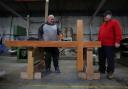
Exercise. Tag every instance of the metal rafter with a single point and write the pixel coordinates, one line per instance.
(11, 10)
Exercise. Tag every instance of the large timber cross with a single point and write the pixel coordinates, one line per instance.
(84, 49)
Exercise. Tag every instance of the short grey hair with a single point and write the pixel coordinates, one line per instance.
(51, 15)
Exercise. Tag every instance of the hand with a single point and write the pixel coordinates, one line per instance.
(61, 37)
(117, 45)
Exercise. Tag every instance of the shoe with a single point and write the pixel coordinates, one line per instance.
(57, 70)
(110, 76)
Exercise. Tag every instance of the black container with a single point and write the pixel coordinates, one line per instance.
(22, 54)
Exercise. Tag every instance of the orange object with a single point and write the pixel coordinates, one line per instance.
(61, 37)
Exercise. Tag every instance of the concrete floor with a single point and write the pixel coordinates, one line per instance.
(67, 79)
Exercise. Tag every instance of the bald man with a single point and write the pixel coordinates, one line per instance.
(50, 32)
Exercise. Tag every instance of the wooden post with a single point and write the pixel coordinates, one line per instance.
(89, 68)
(79, 62)
(30, 66)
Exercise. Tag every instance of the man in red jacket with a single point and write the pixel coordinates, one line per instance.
(110, 36)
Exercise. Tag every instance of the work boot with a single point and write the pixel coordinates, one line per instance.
(110, 76)
(57, 70)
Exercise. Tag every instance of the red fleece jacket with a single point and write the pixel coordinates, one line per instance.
(110, 33)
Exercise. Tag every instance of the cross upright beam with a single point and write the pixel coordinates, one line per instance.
(80, 63)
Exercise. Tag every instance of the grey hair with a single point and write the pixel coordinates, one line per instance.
(51, 15)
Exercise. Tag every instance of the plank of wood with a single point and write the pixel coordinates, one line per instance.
(30, 66)
(91, 44)
(69, 44)
(80, 28)
(24, 75)
(96, 76)
(80, 62)
(40, 44)
(83, 75)
(89, 68)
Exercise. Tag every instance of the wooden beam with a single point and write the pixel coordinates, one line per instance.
(65, 44)
(31, 72)
(89, 68)
(30, 66)
(88, 73)
(80, 62)
(80, 28)
(90, 44)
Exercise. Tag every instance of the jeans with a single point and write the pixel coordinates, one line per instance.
(106, 59)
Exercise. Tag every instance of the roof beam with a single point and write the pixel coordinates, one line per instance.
(97, 10)
(11, 10)
(95, 13)
(27, 0)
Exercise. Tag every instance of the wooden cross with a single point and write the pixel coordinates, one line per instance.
(84, 62)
